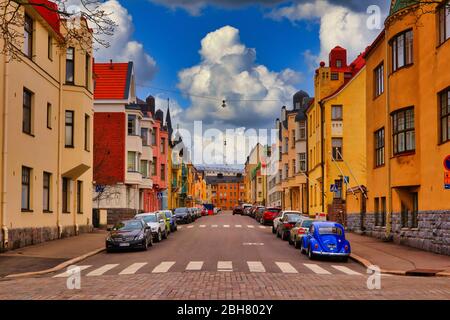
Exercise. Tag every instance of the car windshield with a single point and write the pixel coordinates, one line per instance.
(128, 225)
(306, 223)
(148, 218)
(293, 217)
(180, 210)
(261, 210)
(330, 230)
(168, 214)
(273, 210)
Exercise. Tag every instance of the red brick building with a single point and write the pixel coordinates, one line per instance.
(226, 191)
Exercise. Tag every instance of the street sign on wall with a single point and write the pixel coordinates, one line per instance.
(447, 180)
(447, 163)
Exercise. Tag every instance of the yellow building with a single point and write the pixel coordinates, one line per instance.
(46, 108)
(337, 135)
(293, 164)
(174, 166)
(408, 125)
(255, 180)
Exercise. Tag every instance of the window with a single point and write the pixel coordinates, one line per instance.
(403, 131)
(132, 163)
(379, 80)
(302, 130)
(445, 115)
(163, 172)
(163, 146)
(286, 145)
(28, 36)
(70, 65)
(26, 189)
(49, 115)
(69, 129)
(154, 167)
(87, 71)
(153, 137)
(444, 22)
(144, 168)
(302, 161)
(402, 50)
(286, 171)
(66, 195)
(132, 125)
(338, 63)
(87, 132)
(336, 145)
(50, 47)
(293, 138)
(379, 147)
(334, 76)
(336, 113)
(294, 169)
(144, 136)
(46, 191)
(27, 111)
(79, 196)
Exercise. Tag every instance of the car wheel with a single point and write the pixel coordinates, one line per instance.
(145, 248)
(158, 237)
(283, 236)
(273, 230)
(278, 233)
(165, 235)
(310, 253)
(290, 241)
(296, 244)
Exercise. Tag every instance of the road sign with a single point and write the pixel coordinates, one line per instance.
(346, 180)
(99, 188)
(334, 188)
(159, 195)
(447, 163)
(447, 180)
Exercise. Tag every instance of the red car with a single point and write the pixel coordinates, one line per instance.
(269, 214)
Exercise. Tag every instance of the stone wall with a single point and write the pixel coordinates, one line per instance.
(432, 233)
(117, 215)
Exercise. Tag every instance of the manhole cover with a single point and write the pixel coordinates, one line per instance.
(422, 272)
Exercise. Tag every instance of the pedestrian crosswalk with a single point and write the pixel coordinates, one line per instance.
(220, 266)
(223, 226)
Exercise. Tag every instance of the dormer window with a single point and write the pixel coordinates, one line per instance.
(28, 36)
(338, 63)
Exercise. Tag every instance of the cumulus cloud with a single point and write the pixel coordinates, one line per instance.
(341, 25)
(228, 70)
(122, 46)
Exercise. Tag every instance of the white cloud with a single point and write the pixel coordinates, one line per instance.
(122, 46)
(339, 25)
(228, 70)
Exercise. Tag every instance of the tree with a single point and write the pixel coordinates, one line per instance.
(70, 15)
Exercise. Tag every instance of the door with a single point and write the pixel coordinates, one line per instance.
(96, 218)
(363, 212)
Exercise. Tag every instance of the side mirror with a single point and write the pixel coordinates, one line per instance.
(108, 229)
(161, 221)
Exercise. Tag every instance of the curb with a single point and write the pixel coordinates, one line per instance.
(57, 268)
(366, 263)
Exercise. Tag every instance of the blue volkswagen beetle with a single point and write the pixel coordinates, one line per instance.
(326, 239)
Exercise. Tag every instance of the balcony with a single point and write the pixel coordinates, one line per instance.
(133, 177)
(134, 143)
(147, 183)
(147, 153)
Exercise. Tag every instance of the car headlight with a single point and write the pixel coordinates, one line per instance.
(140, 237)
(154, 229)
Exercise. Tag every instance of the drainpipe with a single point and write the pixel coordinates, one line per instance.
(388, 153)
(322, 153)
(58, 170)
(4, 171)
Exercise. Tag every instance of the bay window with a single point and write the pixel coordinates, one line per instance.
(402, 50)
(403, 132)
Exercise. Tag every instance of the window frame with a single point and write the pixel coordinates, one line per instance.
(396, 133)
(72, 130)
(46, 187)
(79, 196)
(333, 116)
(49, 115)
(27, 184)
(335, 156)
(50, 47)
(87, 133)
(443, 18)
(70, 82)
(395, 50)
(443, 116)
(162, 169)
(87, 71)
(379, 147)
(65, 195)
(29, 129)
(135, 167)
(28, 22)
(378, 80)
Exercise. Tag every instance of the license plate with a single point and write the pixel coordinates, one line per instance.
(124, 244)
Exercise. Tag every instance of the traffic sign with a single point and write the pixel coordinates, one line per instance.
(447, 163)
(447, 180)
(159, 195)
(334, 188)
(99, 188)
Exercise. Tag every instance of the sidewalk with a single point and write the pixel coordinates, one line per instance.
(397, 259)
(50, 254)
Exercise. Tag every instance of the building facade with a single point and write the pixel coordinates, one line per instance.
(227, 192)
(408, 125)
(255, 175)
(46, 110)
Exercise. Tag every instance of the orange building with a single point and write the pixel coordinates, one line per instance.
(226, 191)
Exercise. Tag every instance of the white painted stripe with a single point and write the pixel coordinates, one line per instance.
(256, 266)
(262, 227)
(132, 269)
(214, 226)
(202, 226)
(225, 266)
(179, 227)
(194, 265)
(190, 227)
(316, 269)
(226, 225)
(163, 267)
(68, 273)
(286, 267)
(102, 270)
(238, 226)
(250, 226)
(347, 270)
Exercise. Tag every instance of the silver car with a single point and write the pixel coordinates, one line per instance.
(158, 226)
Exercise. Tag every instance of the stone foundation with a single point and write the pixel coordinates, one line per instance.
(117, 215)
(22, 237)
(432, 233)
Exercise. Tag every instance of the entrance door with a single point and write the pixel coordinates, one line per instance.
(363, 213)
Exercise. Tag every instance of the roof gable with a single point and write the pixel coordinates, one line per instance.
(113, 81)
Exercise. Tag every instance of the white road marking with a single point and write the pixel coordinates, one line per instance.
(252, 244)
(226, 225)
(286, 267)
(224, 266)
(238, 226)
(256, 266)
(132, 269)
(316, 269)
(102, 270)
(68, 273)
(190, 227)
(214, 226)
(263, 227)
(179, 227)
(250, 226)
(194, 265)
(347, 270)
(163, 267)
(202, 226)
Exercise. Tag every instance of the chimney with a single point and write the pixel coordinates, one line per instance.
(111, 66)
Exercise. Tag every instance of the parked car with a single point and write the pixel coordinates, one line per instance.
(246, 207)
(183, 215)
(217, 210)
(129, 234)
(253, 210)
(199, 212)
(158, 228)
(170, 218)
(259, 213)
(269, 214)
(279, 217)
(326, 239)
(238, 210)
(209, 209)
(286, 224)
(299, 230)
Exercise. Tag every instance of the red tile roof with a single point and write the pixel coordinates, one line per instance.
(112, 80)
(47, 9)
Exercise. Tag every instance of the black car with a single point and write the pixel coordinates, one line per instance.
(238, 210)
(129, 234)
(183, 215)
